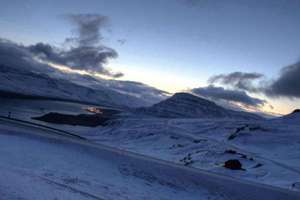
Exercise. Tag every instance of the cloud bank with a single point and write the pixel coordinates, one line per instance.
(236, 87)
(86, 58)
(287, 84)
(237, 80)
(85, 52)
(18, 56)
(220, 93)
(87, 27)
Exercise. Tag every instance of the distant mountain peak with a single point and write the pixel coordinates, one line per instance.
(296, 111)
(292, 118)
(188, 97)
(186, 105)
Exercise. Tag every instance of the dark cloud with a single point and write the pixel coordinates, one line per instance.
(287, 84)
(85, 52)
(17, 56)
(87, 58)
(87, 27)
(237, 80)
(219, 93)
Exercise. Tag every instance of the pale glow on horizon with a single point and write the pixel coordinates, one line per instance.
(161, 80)
(67, 69)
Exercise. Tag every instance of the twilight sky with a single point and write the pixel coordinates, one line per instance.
(180, 44)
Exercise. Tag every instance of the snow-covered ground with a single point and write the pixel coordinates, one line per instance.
(36, 164)
(269, 153)
(269, 150)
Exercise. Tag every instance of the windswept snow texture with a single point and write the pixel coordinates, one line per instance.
(56, 84)
(268, 151)
(35, 165)
(185, 105)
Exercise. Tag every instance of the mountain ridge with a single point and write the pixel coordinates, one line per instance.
(36, 83)
(186, 105)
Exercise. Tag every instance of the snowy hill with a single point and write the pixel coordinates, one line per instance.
(185, 105)
(73, 87)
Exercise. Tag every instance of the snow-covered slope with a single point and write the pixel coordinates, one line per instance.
(269, 152)
(186, 105)
(36, 165)
(59, 85)
(148, 94)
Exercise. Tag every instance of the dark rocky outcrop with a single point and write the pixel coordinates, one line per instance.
(80, 120)
(233, 164)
